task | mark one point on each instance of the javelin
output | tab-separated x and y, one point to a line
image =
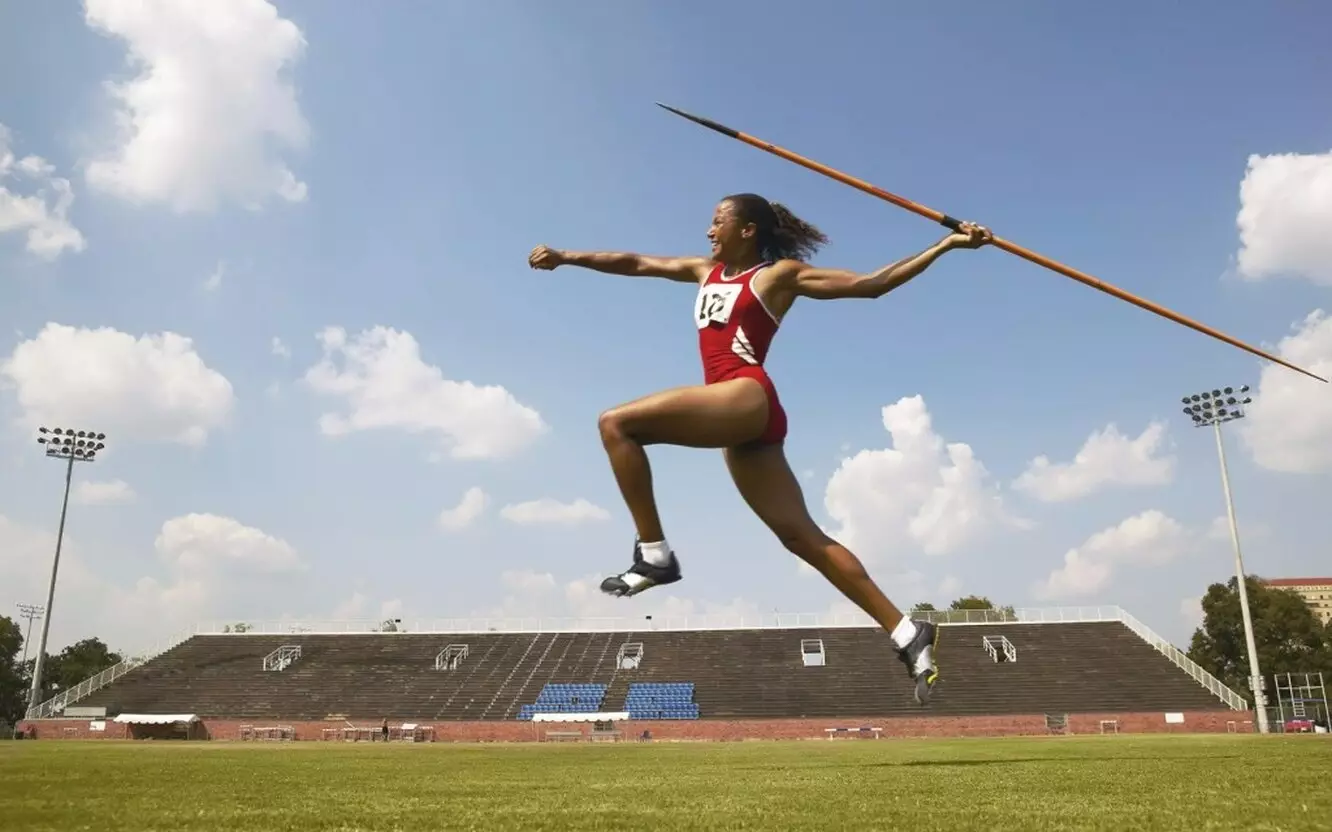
1010	247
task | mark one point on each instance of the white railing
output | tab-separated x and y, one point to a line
282	658
1233	700
784	621
993	644
451	656
69	696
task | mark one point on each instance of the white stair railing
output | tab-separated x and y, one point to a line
994	644
282	658
69	696
1184	663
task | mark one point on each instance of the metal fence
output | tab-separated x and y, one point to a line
785	621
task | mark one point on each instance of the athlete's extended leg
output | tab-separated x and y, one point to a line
707	416
764	479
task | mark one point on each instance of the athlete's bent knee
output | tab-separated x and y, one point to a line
806	541
611	426
617	425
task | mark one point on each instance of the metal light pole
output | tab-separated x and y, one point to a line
70	446
29	611
1215	407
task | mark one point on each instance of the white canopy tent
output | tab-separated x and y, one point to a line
617	716
186	721
157	719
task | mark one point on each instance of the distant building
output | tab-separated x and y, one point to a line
1316	592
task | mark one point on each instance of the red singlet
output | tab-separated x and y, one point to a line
734	332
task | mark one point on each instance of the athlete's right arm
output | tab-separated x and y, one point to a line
680	269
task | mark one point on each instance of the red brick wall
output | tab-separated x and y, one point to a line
708	729
72	729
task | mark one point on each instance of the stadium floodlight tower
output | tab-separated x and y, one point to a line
1214	408
69	446
30	612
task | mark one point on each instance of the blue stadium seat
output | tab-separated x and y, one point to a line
661	700
565	698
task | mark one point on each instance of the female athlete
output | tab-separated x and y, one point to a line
745	288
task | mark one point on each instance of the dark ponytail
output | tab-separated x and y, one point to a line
781	234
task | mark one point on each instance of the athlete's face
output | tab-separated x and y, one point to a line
729	234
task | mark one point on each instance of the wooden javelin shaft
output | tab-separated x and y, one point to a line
1010	247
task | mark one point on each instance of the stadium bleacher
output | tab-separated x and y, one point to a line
1099	666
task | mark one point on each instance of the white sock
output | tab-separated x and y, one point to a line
904	632
657	554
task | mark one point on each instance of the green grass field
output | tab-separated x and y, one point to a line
1191	783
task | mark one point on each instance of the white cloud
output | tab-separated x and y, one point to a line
214	280
210	108
207	543
209	565
1284	217
919	491
43	214
534	594
1107	458
88	492
1289	425
280	349
386	384
1250	531
1219	530
358	607
469	508
949	586
155	387
527	581
546	511
1146	539
25	562
1191	611
211	561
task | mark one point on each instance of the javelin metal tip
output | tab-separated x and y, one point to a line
706	122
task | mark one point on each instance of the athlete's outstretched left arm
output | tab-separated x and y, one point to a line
832	284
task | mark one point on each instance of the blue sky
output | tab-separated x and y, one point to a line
274	172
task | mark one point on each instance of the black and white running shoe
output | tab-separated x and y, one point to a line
641	576
918	656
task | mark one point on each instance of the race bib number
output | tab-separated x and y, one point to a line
715	303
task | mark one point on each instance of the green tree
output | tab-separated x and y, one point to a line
924	606
75	663
1289	637
980	602
972	602
13	679
242	627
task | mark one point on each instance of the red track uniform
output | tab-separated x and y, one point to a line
735	330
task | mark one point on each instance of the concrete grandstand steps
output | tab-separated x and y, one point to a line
482	654
1060	668
473	698
538	650
570	660
595	651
